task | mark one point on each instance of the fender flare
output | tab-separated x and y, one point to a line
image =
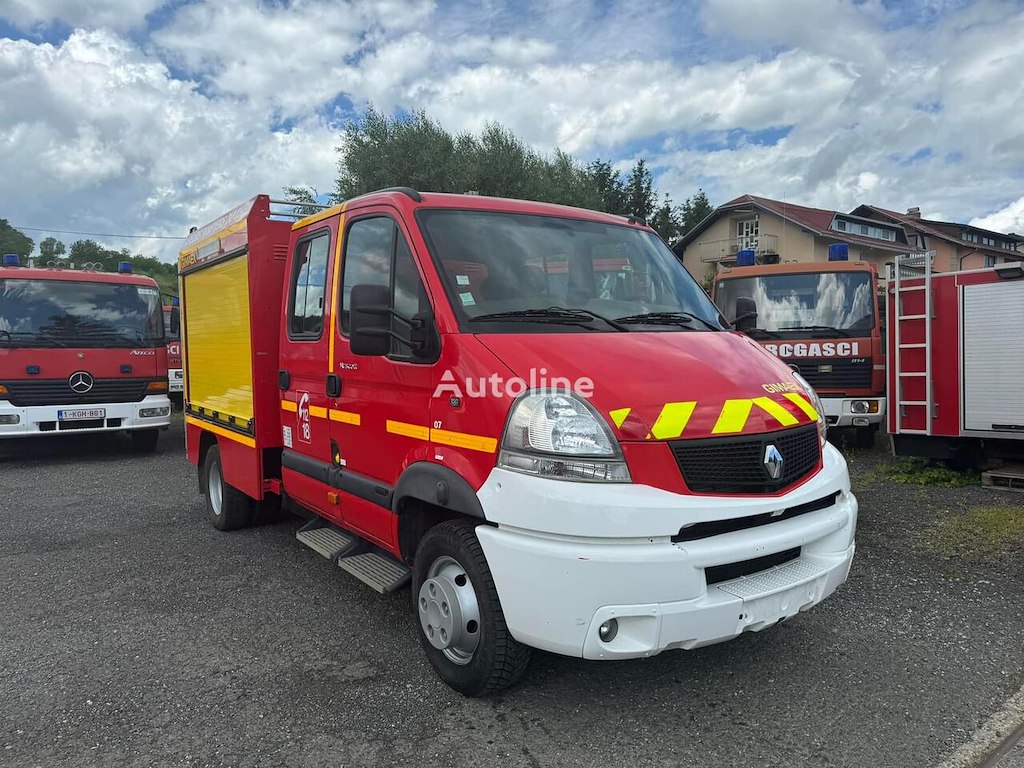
437	485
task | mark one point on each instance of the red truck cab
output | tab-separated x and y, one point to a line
175	377
529	414
821	319
81	351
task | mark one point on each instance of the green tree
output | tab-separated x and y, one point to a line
640	197
610	187
693	211
51	248
665	220
14	241
305	197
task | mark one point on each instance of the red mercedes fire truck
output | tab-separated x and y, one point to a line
459	394
81	351
821	319
956	362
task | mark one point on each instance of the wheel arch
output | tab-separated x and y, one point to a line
428	494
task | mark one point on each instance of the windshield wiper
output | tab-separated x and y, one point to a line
666	318
551	315
828	328
763	331
30	337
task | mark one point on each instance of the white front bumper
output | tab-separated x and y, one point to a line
175	380
839	411
42	419
567	557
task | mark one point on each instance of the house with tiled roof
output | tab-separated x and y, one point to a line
778	231
956	246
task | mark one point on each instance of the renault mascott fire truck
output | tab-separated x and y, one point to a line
81	351
530	413
822	319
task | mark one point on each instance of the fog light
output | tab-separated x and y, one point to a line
10	418
148	413
860	421
608	630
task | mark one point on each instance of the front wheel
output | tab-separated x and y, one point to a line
145	440
461	625
227	507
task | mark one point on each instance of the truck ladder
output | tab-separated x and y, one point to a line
915	262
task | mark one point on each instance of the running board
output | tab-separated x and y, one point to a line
327	540
370	565
377	569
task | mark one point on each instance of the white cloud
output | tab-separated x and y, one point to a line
1008	219
102	138
118	15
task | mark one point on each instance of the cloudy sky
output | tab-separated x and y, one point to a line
147	117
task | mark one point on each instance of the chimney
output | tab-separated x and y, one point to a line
914	213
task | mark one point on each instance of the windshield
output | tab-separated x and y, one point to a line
84	314
499	263
840	300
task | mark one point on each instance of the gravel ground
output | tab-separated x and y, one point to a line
133	633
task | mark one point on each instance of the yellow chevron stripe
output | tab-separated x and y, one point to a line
733	417
225	433
802	403
619	415
318	411
289	405
672	420
776	411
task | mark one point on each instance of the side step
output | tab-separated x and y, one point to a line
370	565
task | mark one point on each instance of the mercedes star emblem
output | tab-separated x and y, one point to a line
773	461
80	382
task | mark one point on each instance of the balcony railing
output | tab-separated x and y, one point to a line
726	250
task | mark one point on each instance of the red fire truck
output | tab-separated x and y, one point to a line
81	351
822	320
956	362
176	387
597	470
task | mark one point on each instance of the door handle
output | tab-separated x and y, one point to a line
284	379
333	385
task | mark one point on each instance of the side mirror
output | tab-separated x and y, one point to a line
746	314
175	328
369	316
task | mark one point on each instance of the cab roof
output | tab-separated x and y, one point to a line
407	198
74	275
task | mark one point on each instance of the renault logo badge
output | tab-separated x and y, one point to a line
773	461
80	382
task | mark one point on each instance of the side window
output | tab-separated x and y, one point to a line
409	297
309	287
367	260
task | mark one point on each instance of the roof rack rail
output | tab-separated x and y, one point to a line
296	204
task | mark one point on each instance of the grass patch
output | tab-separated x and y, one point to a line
922	472
982	530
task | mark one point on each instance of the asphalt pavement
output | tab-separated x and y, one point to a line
133	633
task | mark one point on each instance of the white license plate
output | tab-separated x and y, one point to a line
79	414
771	607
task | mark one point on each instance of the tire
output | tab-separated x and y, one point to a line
864	437
228	508
145	440
461	625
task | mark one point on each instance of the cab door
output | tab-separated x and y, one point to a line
380	420
302	379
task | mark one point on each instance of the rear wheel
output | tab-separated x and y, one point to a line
461	625
227	507
145	440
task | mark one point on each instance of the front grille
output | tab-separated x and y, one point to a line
736	464
833	373
717	527
24	393
719	573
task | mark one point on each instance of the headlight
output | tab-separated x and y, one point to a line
816	403
560	435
